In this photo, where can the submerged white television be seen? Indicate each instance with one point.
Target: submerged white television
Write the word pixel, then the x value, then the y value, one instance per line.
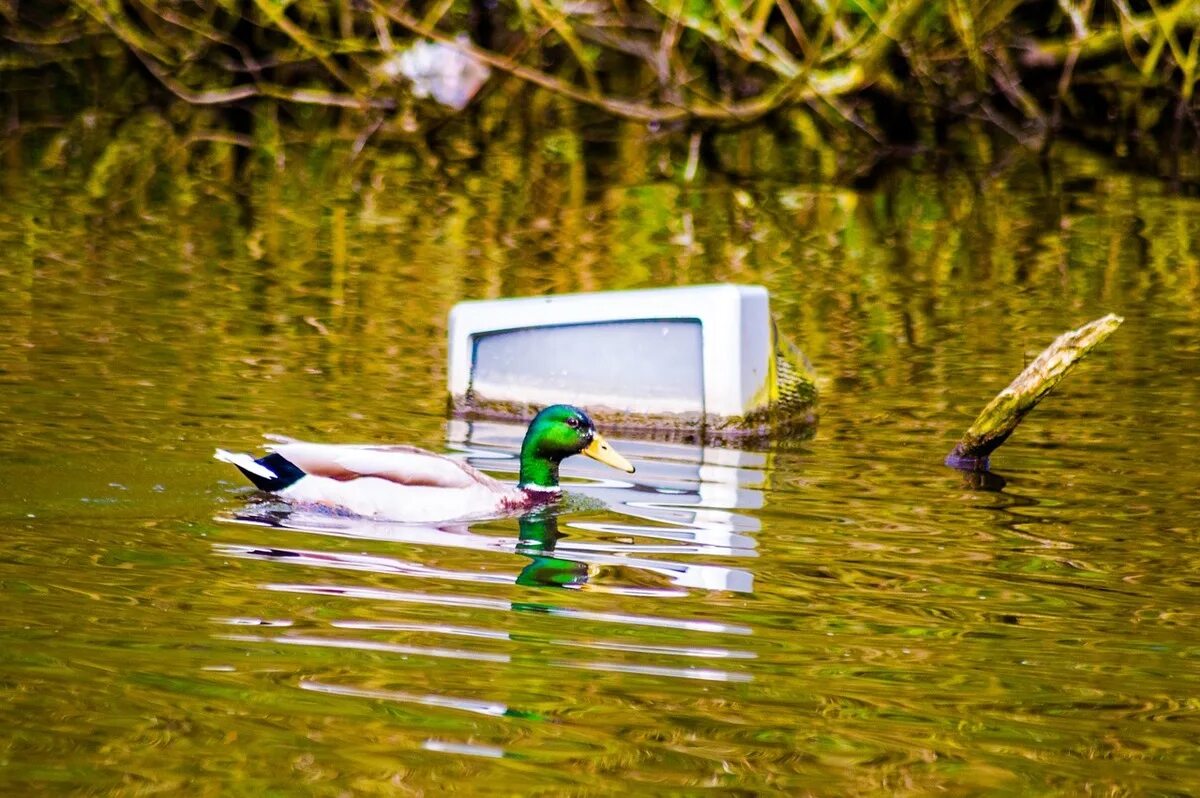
pixel 703 358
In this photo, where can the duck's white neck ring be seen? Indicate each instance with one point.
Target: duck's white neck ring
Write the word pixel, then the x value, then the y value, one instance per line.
pixel 534 487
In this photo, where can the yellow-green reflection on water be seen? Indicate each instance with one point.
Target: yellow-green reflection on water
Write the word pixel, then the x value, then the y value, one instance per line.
pixel 839 615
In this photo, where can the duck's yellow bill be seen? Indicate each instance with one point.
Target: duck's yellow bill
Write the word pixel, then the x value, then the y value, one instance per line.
pixel 599 449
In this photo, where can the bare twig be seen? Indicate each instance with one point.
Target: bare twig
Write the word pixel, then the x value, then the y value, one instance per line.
pixel 1102 41
pixel 567 34
pixel 797 29
pixel 274 11
pixel 208 97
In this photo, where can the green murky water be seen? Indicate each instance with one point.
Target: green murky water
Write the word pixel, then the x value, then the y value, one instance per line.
pixel 840 615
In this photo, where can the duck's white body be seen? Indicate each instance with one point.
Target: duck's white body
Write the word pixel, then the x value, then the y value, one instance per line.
pixel 396 483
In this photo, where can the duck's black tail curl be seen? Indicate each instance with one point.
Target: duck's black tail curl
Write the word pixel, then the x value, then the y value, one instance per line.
pixel 271 473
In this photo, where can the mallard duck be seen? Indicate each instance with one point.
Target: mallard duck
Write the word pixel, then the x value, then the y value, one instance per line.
pixel 404 483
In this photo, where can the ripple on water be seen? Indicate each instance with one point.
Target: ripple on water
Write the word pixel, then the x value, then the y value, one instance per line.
pixel 837 616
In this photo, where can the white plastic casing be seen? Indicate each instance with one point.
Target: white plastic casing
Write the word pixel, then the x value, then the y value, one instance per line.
pixel 639 368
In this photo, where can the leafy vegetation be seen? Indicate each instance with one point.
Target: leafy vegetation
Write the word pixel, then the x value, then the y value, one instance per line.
pixel 849 75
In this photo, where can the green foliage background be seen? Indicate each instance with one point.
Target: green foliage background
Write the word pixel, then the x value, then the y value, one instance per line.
pixel 868 78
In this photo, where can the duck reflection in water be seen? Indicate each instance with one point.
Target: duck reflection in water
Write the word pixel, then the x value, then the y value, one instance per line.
pixel 613 567
pixel 538 536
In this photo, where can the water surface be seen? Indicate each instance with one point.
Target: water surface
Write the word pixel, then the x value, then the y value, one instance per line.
pixel 828 616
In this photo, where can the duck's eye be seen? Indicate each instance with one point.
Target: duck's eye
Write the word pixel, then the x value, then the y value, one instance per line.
pixel 573 422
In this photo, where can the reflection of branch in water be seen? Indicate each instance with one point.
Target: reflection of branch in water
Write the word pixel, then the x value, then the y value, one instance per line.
pixel 988 481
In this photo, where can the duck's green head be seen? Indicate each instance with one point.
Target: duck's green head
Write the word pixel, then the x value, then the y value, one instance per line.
pixel 558 432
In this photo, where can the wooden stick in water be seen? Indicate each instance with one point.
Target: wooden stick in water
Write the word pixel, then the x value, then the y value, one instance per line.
pixel 1002 415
